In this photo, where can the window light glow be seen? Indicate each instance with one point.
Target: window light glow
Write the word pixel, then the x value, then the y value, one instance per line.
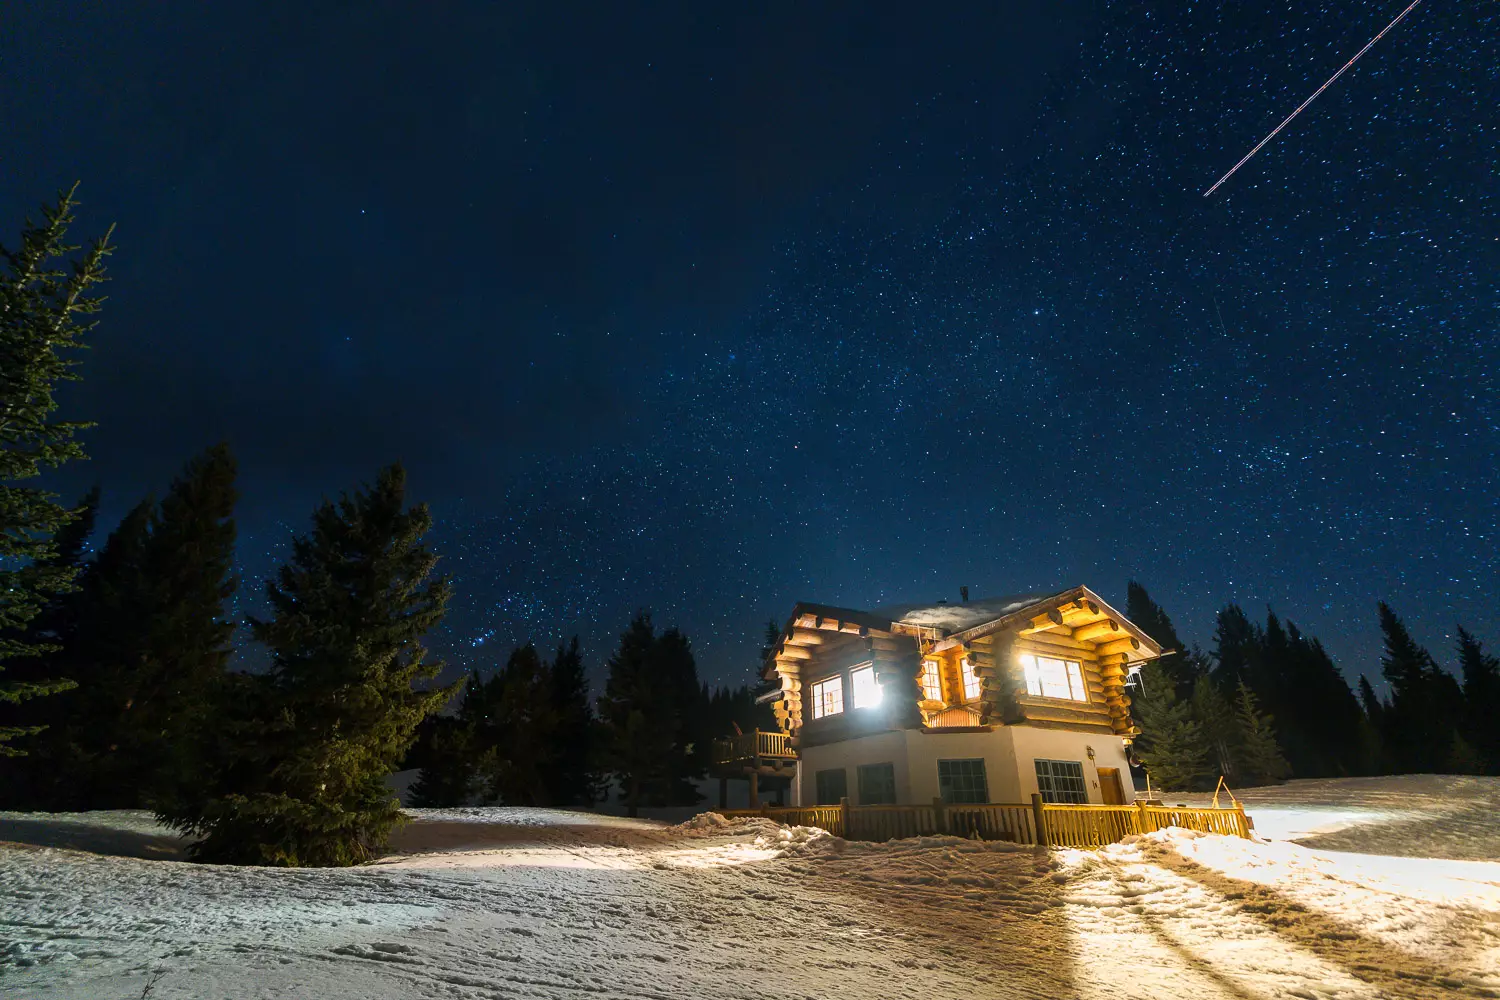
pixel 971 679
pixel 1051 678
pixel 866 692
pixel 932 681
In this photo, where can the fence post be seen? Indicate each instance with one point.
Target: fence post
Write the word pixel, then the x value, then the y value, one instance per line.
pixel 1041 824
pixel 848 832
pixel 1140 817
pixel 940 814
pixel 1244 822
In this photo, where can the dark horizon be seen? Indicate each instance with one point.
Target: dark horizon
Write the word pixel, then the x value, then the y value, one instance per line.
pixel 708 314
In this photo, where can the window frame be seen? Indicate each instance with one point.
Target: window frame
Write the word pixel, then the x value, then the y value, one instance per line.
pixel 946 785
pixel 835 704
pixel 1072 675
pixel 1052 792
pixel 973 687
pixel 862 769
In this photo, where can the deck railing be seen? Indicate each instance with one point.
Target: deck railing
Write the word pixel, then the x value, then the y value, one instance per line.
pixel 1043 823
pixel 755 743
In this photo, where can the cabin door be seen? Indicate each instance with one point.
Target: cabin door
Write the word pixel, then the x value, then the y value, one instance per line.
pixel 1109 786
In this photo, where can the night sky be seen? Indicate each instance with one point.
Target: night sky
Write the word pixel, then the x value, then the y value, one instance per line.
pixel 707 312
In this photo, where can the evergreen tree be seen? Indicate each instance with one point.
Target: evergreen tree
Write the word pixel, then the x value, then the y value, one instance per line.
pixel 1216 718
pixel 1236 646
pixel 1259 752
pixel 524 731
pixel 1426 702
pixel 651 717
pixel 1481 674
pixel 43 318
pixel 447 776
pixel 1462 757
pixel 1171 743
pixel 569 775
pixel 1147 615
pixel 304 783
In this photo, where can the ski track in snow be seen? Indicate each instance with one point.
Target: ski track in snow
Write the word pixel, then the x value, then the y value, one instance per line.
pixel 499 903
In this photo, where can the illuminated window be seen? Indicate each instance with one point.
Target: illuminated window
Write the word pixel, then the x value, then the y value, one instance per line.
pixel 866 693
pixel 1050 678
pixel 828 697
pixel 932 681
pixel 971 679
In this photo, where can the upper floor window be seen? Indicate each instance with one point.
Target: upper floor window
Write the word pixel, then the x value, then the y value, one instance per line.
pixel 828 697
pixel 863 687
pixel 1051 678
pixel 932 680
pixel 971 679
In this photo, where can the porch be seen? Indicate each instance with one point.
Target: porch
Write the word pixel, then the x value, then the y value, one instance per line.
pixel 753 756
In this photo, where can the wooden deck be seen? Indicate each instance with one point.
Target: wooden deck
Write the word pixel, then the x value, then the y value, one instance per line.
pixel 1041 823
pixel 753 746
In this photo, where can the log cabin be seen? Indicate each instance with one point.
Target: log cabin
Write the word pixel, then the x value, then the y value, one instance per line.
pixel 979 701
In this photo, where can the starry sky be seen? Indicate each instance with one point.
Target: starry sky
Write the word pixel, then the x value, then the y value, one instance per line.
pixel 706 311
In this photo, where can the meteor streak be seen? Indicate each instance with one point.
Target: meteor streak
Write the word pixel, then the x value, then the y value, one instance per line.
pixel 1326 84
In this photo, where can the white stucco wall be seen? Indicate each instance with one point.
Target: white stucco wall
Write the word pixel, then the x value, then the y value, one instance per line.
pixel 1009 754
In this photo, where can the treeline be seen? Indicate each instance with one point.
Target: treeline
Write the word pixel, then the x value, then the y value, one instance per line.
pixel 529 734
pixel 1266 702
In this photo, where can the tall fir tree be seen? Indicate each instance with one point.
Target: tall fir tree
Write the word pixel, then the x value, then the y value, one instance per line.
pixel 1235 647
pixel 1426 704
pixel 1481 677
pixel 570 774
pixel 1151 619
pixel 304 779
pixel 44 315
pixel 1171 743
pixel 651 718
pixel 1259 753
pixel 524 731
pixel 1216 717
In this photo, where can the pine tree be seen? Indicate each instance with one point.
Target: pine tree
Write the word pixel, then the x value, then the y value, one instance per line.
pixel 1481 674
pixel 43 318
pixel 1236 648
pixel 1147 615
pixel 1426 701
pixel 651 715
pixel 525 730
pixel 448 777
pixel 304 781
pixel 1171 744
pixel 1215 717
pixel 1462 757
pixel 570 775
pixel 1259 753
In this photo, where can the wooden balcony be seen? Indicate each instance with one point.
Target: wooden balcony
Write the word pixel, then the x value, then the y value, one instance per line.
pixel 753 749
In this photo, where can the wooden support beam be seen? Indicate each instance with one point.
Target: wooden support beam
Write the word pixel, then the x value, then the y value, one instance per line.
pixel 1091 632
pixel 1045 623
pixel 1119 645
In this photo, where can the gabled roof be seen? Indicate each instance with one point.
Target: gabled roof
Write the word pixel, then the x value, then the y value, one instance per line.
pixel 968 620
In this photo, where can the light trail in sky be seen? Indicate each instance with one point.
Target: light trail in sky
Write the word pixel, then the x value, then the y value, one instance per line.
pixel 1326 84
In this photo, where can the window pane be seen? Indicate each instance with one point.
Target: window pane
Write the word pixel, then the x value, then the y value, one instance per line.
pixel 833 785
pixel 877 784
pixel 864 689
pixel 1047 677
pixel 828 697
pixel 963 781
pixel 932 681
pixel 1061 781
pixel 971 680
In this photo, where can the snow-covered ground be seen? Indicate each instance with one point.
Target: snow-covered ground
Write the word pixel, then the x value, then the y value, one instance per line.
pixel 489 903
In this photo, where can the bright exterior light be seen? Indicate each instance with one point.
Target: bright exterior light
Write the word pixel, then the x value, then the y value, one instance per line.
pixel 867 693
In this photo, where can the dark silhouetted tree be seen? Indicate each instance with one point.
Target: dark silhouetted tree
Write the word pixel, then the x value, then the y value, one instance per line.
pixel 1481 675
pixel 44 310
pixel 570 773
pixel 1171 743
pixel 1426 706
pixel 304 780
pixel 1259 753
pixel 1149 617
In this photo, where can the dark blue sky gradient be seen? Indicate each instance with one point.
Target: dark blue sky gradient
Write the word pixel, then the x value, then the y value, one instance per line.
pixel 706 313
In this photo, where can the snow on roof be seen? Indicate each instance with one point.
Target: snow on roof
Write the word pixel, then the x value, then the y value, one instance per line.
pixel 957 617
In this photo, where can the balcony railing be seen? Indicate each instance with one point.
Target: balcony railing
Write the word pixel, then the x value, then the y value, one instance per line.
pixel 752 745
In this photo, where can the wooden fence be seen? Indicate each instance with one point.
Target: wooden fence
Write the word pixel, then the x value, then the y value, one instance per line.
pixel 1042 823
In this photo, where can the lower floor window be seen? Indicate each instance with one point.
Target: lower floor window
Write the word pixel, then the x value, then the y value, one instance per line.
pixel 1061 781
pixel 833 785
pixel 877 784
pixel 963 781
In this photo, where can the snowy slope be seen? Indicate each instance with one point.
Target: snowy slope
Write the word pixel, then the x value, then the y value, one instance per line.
pixel 485 903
